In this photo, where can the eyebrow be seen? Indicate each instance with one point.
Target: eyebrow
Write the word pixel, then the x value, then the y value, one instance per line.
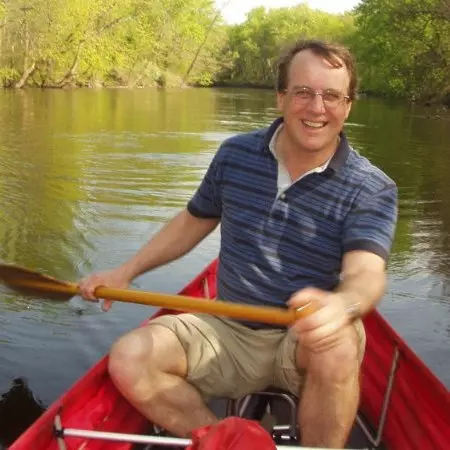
pixel 309 87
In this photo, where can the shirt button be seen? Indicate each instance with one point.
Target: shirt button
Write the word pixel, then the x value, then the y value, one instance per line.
pixel 283 197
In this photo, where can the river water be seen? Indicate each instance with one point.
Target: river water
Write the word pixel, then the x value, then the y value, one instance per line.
pixel 87 176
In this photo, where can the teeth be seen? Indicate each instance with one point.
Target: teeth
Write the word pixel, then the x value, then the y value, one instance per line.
pixel 313 124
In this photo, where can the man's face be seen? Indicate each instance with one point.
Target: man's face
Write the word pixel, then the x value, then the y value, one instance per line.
pixel 311 125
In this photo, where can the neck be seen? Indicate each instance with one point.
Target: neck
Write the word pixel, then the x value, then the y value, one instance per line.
pixel 299 161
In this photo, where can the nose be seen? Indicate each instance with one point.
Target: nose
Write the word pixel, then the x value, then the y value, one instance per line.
pixel 317 105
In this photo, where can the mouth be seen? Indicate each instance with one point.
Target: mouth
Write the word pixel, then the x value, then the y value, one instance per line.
pixel 314 125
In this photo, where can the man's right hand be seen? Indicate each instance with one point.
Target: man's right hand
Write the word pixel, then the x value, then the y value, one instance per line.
pixel 111 278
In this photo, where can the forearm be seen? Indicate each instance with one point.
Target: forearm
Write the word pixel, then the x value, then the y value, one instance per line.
pixel 362 290
pixel 174 240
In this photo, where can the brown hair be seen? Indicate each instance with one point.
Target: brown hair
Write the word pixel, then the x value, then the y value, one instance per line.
pixel 337 55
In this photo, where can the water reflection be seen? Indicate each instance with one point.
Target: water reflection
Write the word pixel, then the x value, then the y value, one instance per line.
pixel 18 409
pixel 87 176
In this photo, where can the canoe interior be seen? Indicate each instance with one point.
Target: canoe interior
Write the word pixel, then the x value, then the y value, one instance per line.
pixel 418 414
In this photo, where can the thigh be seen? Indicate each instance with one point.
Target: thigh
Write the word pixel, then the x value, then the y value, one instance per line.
pixel 150 348
pixel 287 375
pixel 290 367
pixel 223 359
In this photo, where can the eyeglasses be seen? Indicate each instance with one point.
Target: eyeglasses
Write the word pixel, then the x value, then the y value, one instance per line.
pixel 304 95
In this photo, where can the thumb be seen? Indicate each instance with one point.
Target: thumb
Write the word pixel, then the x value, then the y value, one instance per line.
pixel 106 305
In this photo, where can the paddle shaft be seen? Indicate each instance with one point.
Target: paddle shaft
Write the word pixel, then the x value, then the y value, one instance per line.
pixel 270 315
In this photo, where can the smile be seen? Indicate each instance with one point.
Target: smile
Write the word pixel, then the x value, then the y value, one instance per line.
pixel 315 125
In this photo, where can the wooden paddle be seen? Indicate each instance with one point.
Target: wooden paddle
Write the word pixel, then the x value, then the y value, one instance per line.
pixel 33 283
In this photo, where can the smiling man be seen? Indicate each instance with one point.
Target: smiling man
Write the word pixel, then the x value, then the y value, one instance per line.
pixel 304 220
pixel 315 94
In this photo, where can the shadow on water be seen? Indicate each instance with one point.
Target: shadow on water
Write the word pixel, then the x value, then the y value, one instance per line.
pixel 18 410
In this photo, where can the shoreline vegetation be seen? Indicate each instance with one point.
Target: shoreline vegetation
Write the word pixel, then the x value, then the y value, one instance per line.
pixel 402 48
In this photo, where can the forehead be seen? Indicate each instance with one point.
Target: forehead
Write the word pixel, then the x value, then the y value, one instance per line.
pixel 309 69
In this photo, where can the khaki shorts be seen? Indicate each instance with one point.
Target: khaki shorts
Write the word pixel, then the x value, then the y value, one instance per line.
pixel 228 359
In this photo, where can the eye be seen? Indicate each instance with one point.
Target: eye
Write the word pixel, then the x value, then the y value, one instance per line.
pixel 303 93
pixel 331 96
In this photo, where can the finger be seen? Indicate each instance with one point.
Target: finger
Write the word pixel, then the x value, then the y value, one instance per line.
pixel 89 292
pixel 316 320
pixel 320 336
pixel 83 289
pixel 306 296
pixel 326 345
pixel 329 342
pixel 88 286
pixel 106 305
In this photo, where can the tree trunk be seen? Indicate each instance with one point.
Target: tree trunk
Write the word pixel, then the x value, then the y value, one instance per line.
pixel 71 72
pixel 26 74
pixel 211 25
pixel 142 75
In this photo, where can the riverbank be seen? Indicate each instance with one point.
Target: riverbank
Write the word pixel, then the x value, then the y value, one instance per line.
pixel 437 104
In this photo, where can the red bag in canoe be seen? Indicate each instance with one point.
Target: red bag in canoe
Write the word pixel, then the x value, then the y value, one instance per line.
pixel 232 433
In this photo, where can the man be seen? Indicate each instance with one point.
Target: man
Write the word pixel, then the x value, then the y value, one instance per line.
pixel 304 219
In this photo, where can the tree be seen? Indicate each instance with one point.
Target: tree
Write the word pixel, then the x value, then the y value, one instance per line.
pixel 55 43
pixel 255 44
pixel 404 47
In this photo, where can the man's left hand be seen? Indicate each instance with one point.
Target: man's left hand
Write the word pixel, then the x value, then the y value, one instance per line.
pixel 321 330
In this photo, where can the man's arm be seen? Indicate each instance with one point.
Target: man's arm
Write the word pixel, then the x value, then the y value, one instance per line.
pixel 174 240
pixel 363 282
pixel 362 287
pixel 179 236
pixel 368 231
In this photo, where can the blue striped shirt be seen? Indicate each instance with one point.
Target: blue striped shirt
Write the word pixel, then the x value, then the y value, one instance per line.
pixel 272 246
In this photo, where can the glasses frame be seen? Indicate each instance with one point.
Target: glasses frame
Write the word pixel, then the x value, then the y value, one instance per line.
pixel 314 94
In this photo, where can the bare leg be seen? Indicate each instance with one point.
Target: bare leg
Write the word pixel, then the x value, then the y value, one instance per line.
pixel 148 366
pixel 330 396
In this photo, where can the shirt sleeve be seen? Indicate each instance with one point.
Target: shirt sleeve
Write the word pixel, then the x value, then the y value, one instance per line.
pixel 206 203
pixel 371 223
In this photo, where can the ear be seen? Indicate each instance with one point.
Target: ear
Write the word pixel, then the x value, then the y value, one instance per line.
pixel 281 97
pixel 348 108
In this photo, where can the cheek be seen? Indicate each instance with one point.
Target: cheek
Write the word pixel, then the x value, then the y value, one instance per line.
pixel 291 110
pixel 339 116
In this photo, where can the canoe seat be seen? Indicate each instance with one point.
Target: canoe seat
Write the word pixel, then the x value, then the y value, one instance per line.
pixel 274 408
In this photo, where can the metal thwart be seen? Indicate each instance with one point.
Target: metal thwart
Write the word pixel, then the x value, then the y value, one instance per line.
pixel 62 433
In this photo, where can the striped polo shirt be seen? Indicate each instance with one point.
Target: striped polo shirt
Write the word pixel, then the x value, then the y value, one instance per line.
pixel 274 245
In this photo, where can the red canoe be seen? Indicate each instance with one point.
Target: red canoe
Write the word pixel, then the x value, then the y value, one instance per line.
pixel 403 405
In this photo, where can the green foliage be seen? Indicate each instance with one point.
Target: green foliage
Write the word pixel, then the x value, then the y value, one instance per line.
pixel 404 47
pixel 8 75
pixel 257 42
pixel 74 42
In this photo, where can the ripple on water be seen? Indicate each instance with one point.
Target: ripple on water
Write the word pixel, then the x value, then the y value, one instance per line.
pixel 82 191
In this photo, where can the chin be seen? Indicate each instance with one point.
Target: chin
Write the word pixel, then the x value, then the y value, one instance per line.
pixel 312 147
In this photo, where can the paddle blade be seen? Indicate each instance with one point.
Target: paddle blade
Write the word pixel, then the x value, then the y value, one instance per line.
pixel 31 283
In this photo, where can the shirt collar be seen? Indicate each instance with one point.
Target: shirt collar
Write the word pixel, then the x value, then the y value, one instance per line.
pixel 272 148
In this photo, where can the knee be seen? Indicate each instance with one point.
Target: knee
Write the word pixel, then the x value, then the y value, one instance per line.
pixel 126 360
pixel 339 363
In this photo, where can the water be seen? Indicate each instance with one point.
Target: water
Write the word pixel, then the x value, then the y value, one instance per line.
pixel 86 177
